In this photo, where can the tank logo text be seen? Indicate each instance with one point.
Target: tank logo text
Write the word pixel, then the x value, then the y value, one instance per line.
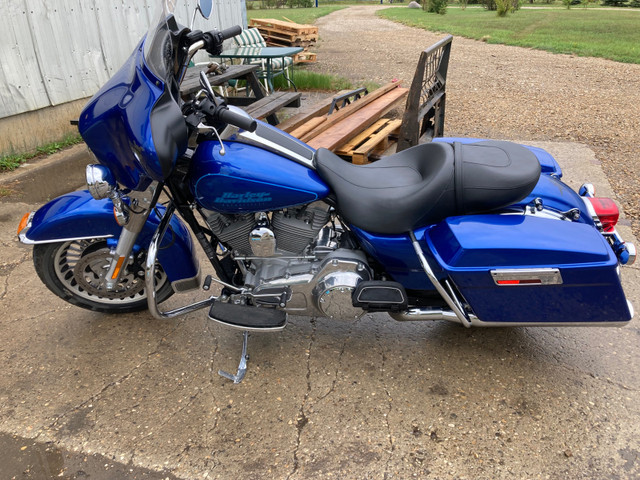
pixel 249 197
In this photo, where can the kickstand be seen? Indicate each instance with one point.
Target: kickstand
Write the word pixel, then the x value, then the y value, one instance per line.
pixel 242 368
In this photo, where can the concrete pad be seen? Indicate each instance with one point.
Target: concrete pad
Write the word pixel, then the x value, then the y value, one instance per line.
pixel 324 398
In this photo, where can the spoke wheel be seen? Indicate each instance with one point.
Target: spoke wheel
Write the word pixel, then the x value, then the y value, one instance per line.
pixel 75 270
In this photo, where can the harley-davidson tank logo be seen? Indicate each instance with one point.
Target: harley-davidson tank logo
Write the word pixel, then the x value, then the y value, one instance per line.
pixel 249 197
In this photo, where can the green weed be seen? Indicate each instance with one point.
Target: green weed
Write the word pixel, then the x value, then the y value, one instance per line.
pixel 13 161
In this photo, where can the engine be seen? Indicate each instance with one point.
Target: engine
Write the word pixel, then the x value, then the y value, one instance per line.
pixel 291 259
pixel 288 232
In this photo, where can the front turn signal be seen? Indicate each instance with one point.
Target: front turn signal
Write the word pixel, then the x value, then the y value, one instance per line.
pixel 24 222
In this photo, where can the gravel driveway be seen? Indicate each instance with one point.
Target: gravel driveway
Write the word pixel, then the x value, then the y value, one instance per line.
pixel 504 92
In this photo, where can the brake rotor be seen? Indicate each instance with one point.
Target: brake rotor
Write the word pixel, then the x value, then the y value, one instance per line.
pixel 91 269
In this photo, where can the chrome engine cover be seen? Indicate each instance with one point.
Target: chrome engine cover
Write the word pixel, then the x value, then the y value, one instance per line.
pixel 321 287
pixel 332 295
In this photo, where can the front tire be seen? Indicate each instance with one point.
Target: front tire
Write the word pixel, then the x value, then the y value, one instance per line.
pixel 72 270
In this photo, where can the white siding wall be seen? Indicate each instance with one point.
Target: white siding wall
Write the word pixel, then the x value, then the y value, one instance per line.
pixel 56 51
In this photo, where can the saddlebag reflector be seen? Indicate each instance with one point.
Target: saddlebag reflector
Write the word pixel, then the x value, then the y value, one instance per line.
pixel 526 276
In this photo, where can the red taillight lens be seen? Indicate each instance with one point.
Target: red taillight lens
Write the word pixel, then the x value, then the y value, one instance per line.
pixel 607 212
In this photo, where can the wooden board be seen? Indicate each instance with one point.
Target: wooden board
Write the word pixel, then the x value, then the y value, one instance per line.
pixel 318 109
pixel 340 132
pixel 378 142
pixel 350 110
pixel 304 129
pixel 347 149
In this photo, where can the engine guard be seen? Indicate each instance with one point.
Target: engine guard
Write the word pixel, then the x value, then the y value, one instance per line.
pixel 77 216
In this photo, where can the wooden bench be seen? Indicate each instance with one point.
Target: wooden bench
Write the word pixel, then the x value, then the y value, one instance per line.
pixel 268 106
pixel 258 106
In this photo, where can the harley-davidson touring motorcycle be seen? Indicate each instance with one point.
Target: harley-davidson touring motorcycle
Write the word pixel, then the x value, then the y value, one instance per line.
pixel 479 232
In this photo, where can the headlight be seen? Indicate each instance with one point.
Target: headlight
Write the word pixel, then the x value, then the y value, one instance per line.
pixel 100 182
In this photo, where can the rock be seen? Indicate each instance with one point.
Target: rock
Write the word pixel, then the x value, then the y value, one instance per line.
pixel 414 5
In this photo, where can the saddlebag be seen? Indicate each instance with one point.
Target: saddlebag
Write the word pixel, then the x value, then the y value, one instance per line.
pixel 523 269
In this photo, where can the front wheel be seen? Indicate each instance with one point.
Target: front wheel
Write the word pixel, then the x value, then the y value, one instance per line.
pixel 73 271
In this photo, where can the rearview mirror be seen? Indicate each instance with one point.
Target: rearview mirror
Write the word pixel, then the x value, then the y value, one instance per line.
pixel 205 7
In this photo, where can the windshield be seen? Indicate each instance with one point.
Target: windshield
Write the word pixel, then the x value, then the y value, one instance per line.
pixel 158 45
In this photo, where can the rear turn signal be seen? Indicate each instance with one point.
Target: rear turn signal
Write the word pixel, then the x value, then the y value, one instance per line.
pixel 607 212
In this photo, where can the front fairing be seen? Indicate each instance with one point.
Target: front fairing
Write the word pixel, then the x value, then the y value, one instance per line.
pixel 134 125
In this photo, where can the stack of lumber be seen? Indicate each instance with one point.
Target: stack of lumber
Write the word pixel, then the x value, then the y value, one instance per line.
pixel 357 132
pixel 278 33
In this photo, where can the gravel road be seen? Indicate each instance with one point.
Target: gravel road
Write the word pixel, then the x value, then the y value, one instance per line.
pixel 504 92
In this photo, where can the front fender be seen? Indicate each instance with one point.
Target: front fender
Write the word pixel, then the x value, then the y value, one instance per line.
pixel 77 215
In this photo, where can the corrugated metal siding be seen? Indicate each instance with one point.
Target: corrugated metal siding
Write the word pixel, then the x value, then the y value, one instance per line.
pixel 56 51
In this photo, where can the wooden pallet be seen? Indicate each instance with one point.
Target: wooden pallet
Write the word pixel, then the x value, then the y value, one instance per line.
pixel 304 57
pixel 287 28
pixel 277 33
pixel 372 143
pixel 274 36
pixel 277 42
pixel 356 131
pixel 334 133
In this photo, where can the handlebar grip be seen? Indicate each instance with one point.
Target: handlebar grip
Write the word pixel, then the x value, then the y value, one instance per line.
pixel 231 32
pixel 239 120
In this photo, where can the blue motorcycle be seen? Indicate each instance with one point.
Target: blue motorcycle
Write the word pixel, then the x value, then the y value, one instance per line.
pixel 479 232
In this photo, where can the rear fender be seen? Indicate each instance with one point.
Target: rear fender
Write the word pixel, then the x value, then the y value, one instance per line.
pixel 77 216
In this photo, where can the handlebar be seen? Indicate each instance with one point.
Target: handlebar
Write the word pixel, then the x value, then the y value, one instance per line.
pixel 213 39
pixel 241 121
pixel 218 111
pixel 231 32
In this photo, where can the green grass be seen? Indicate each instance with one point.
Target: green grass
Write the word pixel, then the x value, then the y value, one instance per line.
pixel 307 80
pixel 297 15
pixel 13 161
pixel 612 34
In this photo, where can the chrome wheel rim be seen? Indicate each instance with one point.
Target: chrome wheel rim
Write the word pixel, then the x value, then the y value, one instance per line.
pixel 81 264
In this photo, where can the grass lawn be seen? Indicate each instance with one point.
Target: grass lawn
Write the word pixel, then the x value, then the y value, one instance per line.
pixel 612 34
pixel 297 15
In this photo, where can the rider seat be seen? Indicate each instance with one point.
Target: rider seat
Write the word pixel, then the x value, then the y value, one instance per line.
pixel 429 182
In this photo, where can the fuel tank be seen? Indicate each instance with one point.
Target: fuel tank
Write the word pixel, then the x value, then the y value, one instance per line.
pixel 250 179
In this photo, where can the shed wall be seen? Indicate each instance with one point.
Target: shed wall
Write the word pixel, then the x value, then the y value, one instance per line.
pixel 57 51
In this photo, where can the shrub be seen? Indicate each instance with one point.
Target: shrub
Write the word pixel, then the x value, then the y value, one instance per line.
pixel 503 7
pixel 615 3
pixel 435 6
pixel 489 4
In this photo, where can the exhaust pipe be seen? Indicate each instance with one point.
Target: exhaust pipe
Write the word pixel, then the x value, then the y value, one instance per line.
pixel 427 314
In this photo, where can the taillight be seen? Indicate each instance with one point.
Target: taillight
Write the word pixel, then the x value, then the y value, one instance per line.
pixel 607 212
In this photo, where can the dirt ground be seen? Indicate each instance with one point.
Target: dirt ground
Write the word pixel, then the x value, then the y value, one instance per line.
pixel 496 91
